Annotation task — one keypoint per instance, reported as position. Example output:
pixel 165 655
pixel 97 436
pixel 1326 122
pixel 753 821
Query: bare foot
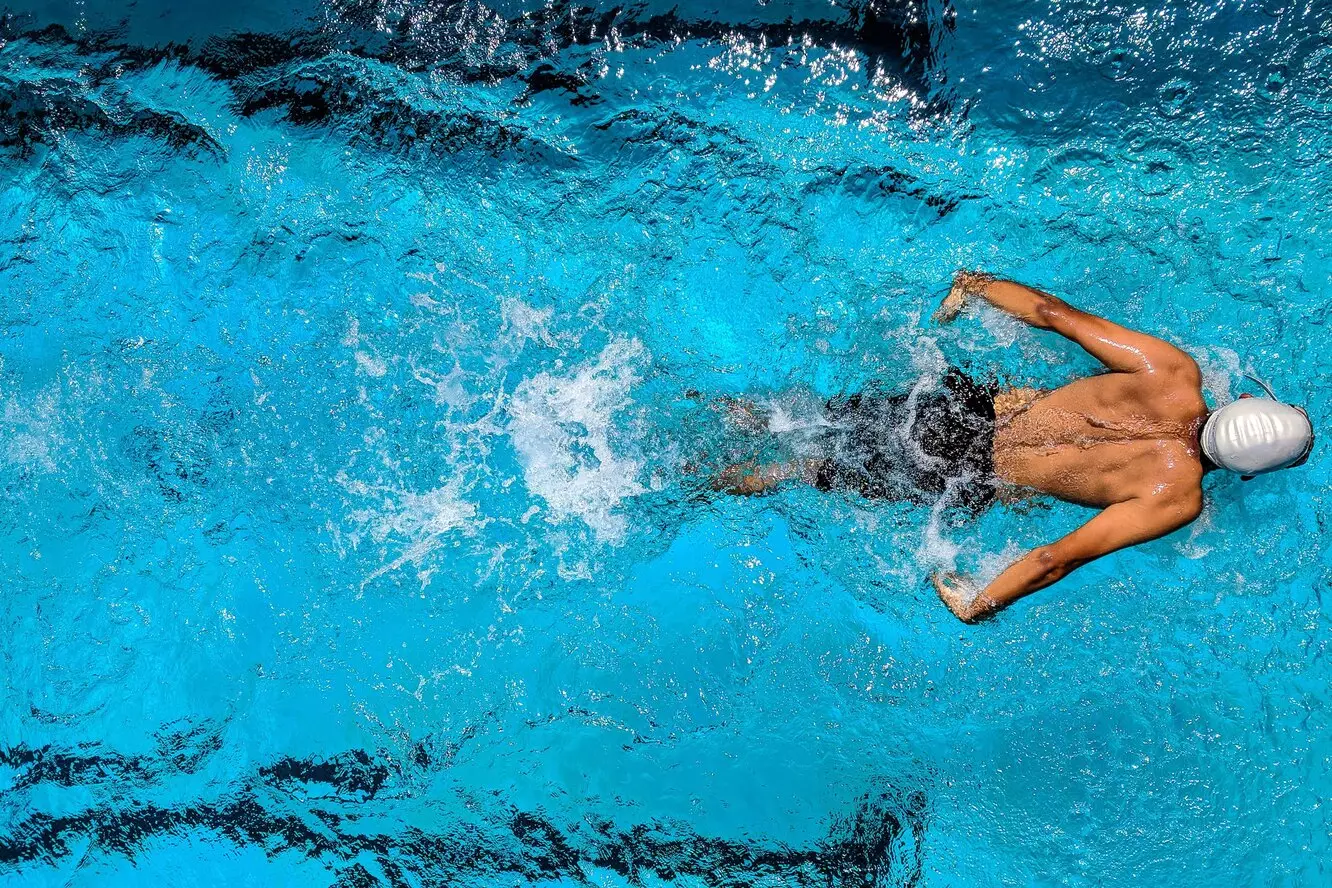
pixel 744 415
pixel 968 603
pixel 750 478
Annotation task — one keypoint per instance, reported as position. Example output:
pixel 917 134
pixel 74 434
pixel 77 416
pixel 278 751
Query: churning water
pixel 356 366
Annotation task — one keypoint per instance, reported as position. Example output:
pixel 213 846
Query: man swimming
pixel 1133 442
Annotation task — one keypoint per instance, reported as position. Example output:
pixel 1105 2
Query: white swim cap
pixel 1256 435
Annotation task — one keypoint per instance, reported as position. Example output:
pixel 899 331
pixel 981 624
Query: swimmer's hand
pixel 967 602
pixel 965 285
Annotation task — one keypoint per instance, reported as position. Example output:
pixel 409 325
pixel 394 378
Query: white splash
pixel 1194 547
pixel 995 563
pixel 1219 366
pixel 367 361
pixel 370 365
pixel 927 358
pixel 795 412
pixel 33 435
pixel 419 521
pixel 450 389
pixel 1005 328
pixel 561 424
pixel 1007 332
pixel 420 515
pixel 521 322
pixel 935 549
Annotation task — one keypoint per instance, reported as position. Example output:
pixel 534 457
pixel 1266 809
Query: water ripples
pixel 357 371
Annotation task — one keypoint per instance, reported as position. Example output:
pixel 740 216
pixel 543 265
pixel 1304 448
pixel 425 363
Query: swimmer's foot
pixel 967 602
pixel 750 478
pixel 744 415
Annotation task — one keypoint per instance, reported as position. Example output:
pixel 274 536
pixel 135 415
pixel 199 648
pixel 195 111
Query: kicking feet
pixel 750 478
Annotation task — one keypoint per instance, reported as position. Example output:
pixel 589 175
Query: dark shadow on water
pixel 322 808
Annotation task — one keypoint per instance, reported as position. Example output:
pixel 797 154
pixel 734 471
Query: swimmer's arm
pixel 1117 347
pixel 1117 527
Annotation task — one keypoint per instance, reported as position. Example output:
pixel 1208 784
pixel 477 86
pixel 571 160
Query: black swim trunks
pixel 918 446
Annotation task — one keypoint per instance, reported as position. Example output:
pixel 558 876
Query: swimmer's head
pixel 1256 435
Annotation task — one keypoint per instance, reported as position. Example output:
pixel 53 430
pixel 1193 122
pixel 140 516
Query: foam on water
pixel 1220 368
pixel 360 372
pixel 561 424
pixel 32 431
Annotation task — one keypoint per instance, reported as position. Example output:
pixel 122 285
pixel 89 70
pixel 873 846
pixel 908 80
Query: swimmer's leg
pixel 740 413
pixel 748 479
pixel 744 414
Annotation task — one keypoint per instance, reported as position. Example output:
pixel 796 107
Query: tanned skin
pixel 1124 442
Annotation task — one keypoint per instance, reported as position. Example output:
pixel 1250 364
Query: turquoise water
pixel 355 521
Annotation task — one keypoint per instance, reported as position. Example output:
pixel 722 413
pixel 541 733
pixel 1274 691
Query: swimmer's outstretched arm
pixel 1119 348
pixel 1117 527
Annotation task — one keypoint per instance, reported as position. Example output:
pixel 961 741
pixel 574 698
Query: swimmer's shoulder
pixel 1175 484
pixel 1172 364
pixel 1172 385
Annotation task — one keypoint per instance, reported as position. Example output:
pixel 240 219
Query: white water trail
pixel 562 424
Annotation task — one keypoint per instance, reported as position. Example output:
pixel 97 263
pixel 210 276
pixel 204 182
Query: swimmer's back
pixel 1098 441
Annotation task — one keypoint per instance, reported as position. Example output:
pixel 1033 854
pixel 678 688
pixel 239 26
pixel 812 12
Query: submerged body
pixel 1125 441
pixel 932 443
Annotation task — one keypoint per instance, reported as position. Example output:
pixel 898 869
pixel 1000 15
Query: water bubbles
pixel 1164 163
pixel 1174 97
pixel 1274 83
pixel 1119 63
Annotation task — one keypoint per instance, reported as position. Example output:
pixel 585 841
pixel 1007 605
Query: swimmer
pixel 1133 442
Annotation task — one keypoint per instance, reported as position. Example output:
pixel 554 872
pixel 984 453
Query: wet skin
pixel 1125 442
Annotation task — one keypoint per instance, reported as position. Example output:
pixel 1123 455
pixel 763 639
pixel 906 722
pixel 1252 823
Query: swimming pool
pixel 353 523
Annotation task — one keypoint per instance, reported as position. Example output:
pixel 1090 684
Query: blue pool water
pixel 353 522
